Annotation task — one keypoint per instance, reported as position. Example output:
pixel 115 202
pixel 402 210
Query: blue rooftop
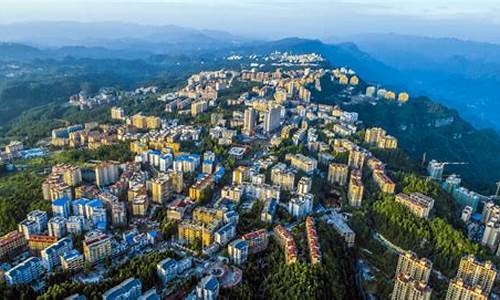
pixel 96 203
pixel 153 234
pixel 71 254
pixel 81 201
pixel 240 244
pixel 61 201
pixel 211 284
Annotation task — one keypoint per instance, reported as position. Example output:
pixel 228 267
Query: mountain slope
pixel 343 54
pixel 464 75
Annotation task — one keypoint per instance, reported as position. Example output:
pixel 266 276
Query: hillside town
pixel 227 177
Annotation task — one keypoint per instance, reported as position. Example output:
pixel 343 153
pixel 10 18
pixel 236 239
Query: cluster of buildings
pixel 474 279
pixel 202 193
pixel 381 93
pixel 412 278
pixel 490 217
pixel 90 135
pixel 379 138
pixel 103 96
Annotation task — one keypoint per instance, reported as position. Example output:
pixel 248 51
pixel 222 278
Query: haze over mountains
pixel 464 75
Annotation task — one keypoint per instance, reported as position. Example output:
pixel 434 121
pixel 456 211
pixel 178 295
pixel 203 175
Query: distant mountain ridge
pixel 114 35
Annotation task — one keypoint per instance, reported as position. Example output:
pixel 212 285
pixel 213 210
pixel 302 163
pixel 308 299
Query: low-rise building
pixel 130 289
pixel 285 239
pixel 312 241
pixel 167 270
pixel 339 224
pixel 25 272
pixel 208 288
pixel 419 204
pixel 238 251
pixel 11 244
pixel 51 256
pixel 302 162
pixel 72 261
pixel 383 181
pixel 257 241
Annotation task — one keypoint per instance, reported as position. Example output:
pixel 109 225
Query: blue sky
pixel 466 19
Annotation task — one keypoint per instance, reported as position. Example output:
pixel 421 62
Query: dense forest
pixel 19 194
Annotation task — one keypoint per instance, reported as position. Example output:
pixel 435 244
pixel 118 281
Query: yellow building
pixel 280 96
pixel 356 159
pixel 356 189
pixel 198 107
pixel 373 135
pixel 140 206
pixel 176 147
pixel 285 132
pixel 419 204
pixel 474 272
pixel 197 190
pixel 207 215
pixel 338 173
pixel 390 95
pixel 418 269
pixel 192 232
pixel 139 121
pixel 72 176
pixel 72 262
pixel 302 162
pixel 106 173
pixel 177 180
pixel 458 290
pixel 378 137
pixel 161 189
pixel 117 113
pixel 388 142
pixel 153 122
pixel 283 177
pixel 138 147
pixel 354 80
pixel 406 287
pixel 343 79
pixel 384 183
pixel 37 243
pixel 96 246
pixel 240 174
pixel 403 97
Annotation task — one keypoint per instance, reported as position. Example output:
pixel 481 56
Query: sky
pixel 466 19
